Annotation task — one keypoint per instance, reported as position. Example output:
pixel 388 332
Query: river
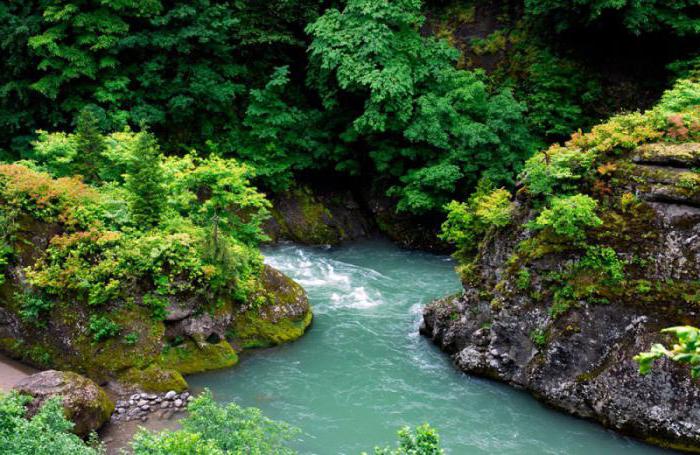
pixel 362 371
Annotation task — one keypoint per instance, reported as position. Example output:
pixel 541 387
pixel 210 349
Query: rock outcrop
pixel 318 217
pixel 84 402
pixel 137 338
pixel 552 316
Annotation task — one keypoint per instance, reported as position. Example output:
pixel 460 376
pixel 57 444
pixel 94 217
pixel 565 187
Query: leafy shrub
pixel 145 183
pixel 33 307
pixel 220 429
pixel 558 170
pixel 102 328
pixel 424 440
pixel 604 261
pixel 47 433
pixel 569 217
pixel 158 306
pixel 539 337
pixel 468 221
pixel 686 351
pixel 131 339
pixel 524 279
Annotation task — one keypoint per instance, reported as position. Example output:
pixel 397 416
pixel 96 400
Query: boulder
pixel 84 402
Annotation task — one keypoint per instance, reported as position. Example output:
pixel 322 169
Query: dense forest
pixel 145 146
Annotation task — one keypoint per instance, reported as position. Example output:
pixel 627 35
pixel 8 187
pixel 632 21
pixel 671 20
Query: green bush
pixel 468 221
pixel 47 433
pixel 676 17
pixel 102 328
pixel 424 440
pixel 210 428
pixel 429 126
pixel 569 217
pixel 33 307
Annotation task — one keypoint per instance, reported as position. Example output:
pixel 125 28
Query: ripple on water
pixel 362 371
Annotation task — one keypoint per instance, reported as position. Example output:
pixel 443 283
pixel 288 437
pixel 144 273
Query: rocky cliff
pixel 563 316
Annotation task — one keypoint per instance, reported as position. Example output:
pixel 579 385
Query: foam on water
pixel 363 371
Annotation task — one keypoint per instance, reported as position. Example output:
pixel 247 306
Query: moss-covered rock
pixel 191 357
pixel 84 402
pixel 144 327
pixel 317 217
pixel 153 378
pixel 281 313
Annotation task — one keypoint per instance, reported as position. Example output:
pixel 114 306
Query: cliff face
pixel 563 320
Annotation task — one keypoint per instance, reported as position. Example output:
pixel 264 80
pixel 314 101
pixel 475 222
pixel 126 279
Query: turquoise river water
pixel 362 371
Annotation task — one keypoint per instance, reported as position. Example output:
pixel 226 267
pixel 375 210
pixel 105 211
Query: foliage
pixel 539 337
pixel 432 126
pixel 145 183
pixel 687 351
pixel 558 93
pixel 679 17
pixel 569 216
pixel 47 433
pixel 102 328
pixel 603 260
pixel 468 221
pixel 225 429
pixel 33 307
pixel 424 440
pixel 178 66
pixel 556 171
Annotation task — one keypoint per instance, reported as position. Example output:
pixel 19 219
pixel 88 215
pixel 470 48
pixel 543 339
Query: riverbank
pixel 11 372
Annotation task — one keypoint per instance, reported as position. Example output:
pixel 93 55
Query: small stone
pixel 135 396
pixel 142 402
pixel 158 400
pixel 190 398
pixel 178 402
pixel 184 395
pixel 145 407
pixel 132 402
pixel 152 396
pixel 170 395
pixel 121 410
pixel 165 404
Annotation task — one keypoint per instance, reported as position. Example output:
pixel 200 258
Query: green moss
pixel 154 379
pixel 253 331
pixel 308 220
pixel 190 357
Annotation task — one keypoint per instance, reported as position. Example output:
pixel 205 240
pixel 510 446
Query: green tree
pixel 89 145
pixel 145 183
pixel 638 16
pixel 431 127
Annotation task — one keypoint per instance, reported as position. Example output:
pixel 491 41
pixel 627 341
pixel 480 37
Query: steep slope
pixel 600 252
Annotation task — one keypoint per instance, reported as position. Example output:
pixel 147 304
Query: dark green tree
pixel 90 145
pixel 431 127
pixel 144 181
